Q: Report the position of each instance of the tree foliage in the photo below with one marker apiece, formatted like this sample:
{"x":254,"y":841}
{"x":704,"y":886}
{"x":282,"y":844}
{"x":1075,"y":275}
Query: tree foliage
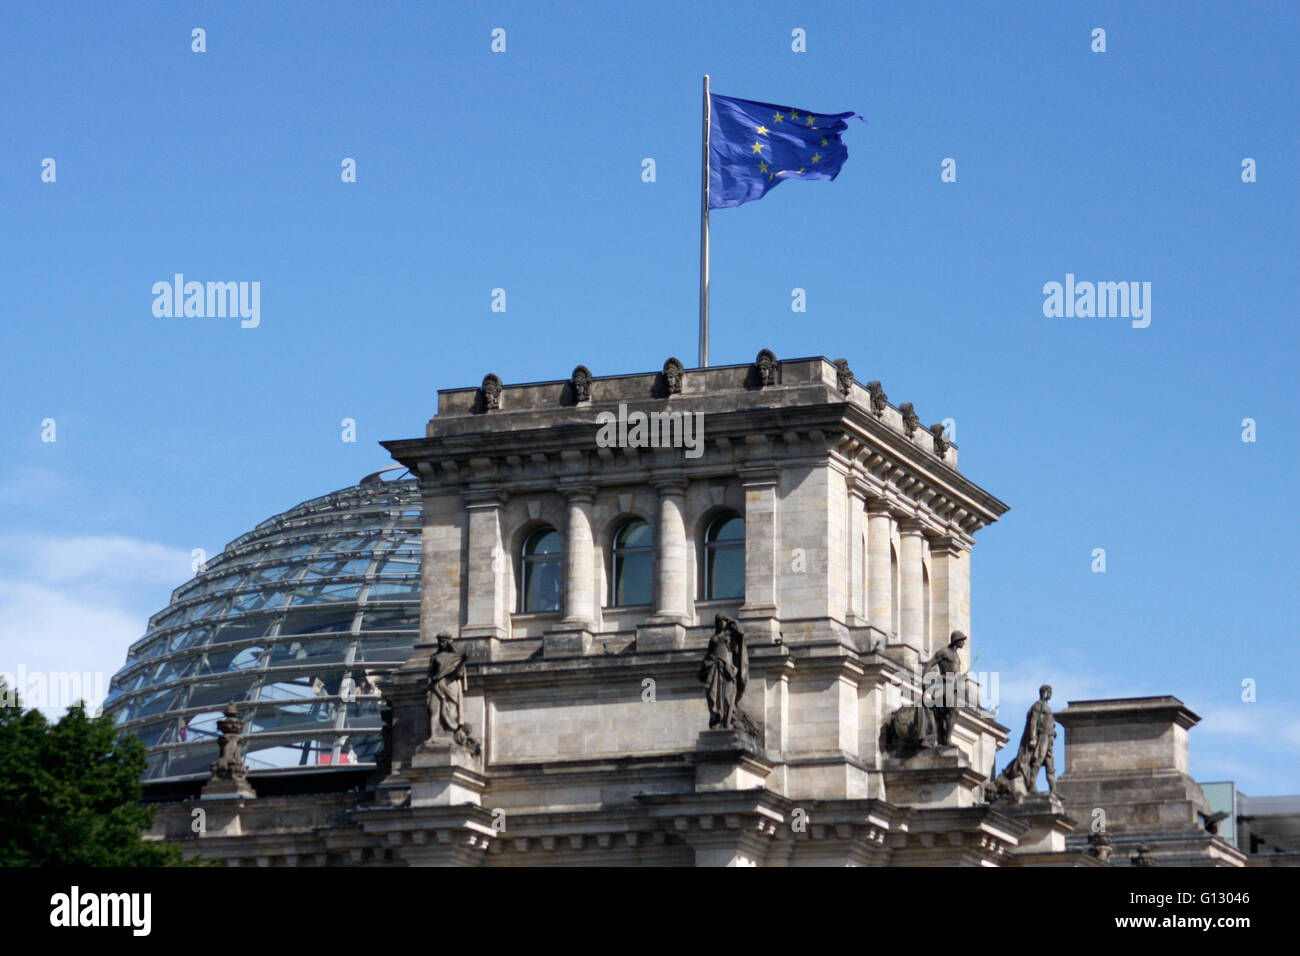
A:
{"x":70,"y":793}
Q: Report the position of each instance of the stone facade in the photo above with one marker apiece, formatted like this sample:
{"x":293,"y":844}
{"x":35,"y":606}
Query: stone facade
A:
{"x":1126,"y":771}
{"x":596,"y":747}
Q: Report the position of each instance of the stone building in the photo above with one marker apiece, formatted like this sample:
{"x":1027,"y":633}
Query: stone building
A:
{"x":580,"y":539}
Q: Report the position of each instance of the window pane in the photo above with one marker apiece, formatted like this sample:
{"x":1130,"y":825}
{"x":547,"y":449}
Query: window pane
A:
{"x":726,"y":573}
{"x":728,"y":529}
{"x":543,"y":542}
{"x":543,"y":585}
{"x":633,"y":578}
{"x":634,"y":534}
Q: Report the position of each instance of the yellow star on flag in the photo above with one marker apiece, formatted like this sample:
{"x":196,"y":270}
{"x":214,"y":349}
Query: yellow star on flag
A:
{"x":810,"y":121}
{"x":777,"y":117}
{"x":757,"y":147}
{"x":801,"y":169}
{"x":824,"y":143}
{"x":762,"y":167}
{"x":817,"y":157}
{"x":762,"y":130}
{"x":794,"y":114}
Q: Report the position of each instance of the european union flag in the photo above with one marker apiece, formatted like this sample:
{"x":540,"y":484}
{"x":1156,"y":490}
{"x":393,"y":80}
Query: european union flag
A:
{"x":754,"y":147}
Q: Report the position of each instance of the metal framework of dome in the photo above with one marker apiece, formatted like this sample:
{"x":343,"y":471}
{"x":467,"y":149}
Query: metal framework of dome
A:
{"x":296,"y":621}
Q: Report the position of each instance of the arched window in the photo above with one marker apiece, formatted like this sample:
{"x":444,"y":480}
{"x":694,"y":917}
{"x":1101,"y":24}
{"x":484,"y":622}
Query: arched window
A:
{"x":724,"y":558}
{"x":633,"y":564}
{"x":540,"y":567}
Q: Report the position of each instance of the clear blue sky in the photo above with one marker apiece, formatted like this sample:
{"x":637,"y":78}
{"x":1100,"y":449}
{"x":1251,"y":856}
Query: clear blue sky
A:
{"x":522,"y":171}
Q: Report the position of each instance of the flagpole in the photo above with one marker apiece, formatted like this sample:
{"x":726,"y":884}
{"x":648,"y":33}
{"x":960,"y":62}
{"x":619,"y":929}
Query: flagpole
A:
{"x":704,"y":235}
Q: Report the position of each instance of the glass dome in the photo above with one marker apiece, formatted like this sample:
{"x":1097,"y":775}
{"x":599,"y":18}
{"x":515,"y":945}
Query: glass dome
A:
{"x":296,"y":621}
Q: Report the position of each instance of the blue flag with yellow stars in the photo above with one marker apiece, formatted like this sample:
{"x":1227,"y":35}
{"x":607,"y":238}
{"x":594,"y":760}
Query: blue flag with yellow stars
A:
{"x":754,"y":147}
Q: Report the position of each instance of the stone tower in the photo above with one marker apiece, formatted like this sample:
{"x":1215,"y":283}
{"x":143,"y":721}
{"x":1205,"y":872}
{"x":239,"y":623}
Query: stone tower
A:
{"x":579,"y":539}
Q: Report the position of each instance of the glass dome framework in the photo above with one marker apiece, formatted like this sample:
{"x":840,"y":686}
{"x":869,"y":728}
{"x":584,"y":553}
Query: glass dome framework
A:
{"x":296,"y":621}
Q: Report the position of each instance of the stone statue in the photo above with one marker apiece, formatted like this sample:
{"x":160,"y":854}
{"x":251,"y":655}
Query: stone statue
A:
{"x":879,"y":400}
{"x":909,"y":729}
{"x":581,"y":382}
{"x":910,"y":419}
{"x":724,"y":672}
{"x":490,"y":392}
{"x":947,"y":664}
{"x":767,"y":367}
{"x":673,"y":377}
{"x":940,"y":440}
{"x":1142,"y":856}
{"x":447,"y":683}
{"x":843,"y":376}
{"x":1020,"y":776}
{"x":1037,"y":741}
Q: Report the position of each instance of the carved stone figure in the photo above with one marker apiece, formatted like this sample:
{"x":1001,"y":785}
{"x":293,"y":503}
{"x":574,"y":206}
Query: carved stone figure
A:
{"x":1099,"y":845}
{"x":230,"y":762}
{"x":673,"y":372}
{"x":1036,"y":743}
{"x":1142,"y":856}
{"x":724,"y":672}
{"x":843,"y":376}
{"x":447,"y":684}
{"x":945,"y":686}
{"x":490,"y":393}
{"x":940,"y":442}
{"x":910,"y":419}
{"x":581,"y":382}
{"x":767,"y":367}
{"x":1020,"y":776}
{"x":910,"y":728}
{"x":879,"y":400}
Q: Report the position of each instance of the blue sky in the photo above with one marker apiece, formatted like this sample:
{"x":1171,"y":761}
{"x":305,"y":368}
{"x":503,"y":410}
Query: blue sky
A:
{"x":522,"y":170}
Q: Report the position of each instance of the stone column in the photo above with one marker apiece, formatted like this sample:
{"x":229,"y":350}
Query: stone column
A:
{"x":671,"y":552}
{"x":487,"y":616}
{"x":880,"y":594}
{"x":761,"y":609}
{"x":911,"y":581}
{"x":572,"y":636}
{"x":950,"y":590}
{"x":666,"y":627}
{"x":856,"y":563}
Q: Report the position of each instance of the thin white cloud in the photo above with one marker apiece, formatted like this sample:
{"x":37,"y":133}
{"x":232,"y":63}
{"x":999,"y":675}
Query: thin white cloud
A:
{"x":72,"y":605}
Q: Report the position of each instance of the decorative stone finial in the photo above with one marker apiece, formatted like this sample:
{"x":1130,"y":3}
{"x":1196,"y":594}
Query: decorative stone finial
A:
{"x":767,"y":368}
{"x":673,"y":372}
{"x":878,"y":398}
{"x":911,"y":422}
{"x":489,"y":393}
{"x":843,"y":376}
{"x":581,"y":381}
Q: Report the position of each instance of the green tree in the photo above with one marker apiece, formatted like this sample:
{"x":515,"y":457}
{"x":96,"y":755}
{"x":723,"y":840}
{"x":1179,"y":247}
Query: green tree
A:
{"x":70,"y":793}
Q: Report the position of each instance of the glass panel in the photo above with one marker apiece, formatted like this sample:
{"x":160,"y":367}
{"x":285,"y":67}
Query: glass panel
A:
{"x":633,"y":577}
{"x":728,"y":529}
{"x":726,"y":573}
{"x":391,"y":590}
{"x":545,"y":541}
{"x":310,"y":650}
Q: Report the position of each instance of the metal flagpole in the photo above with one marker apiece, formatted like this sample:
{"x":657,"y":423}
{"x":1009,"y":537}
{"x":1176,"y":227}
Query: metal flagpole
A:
{"x":704,"y":235}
